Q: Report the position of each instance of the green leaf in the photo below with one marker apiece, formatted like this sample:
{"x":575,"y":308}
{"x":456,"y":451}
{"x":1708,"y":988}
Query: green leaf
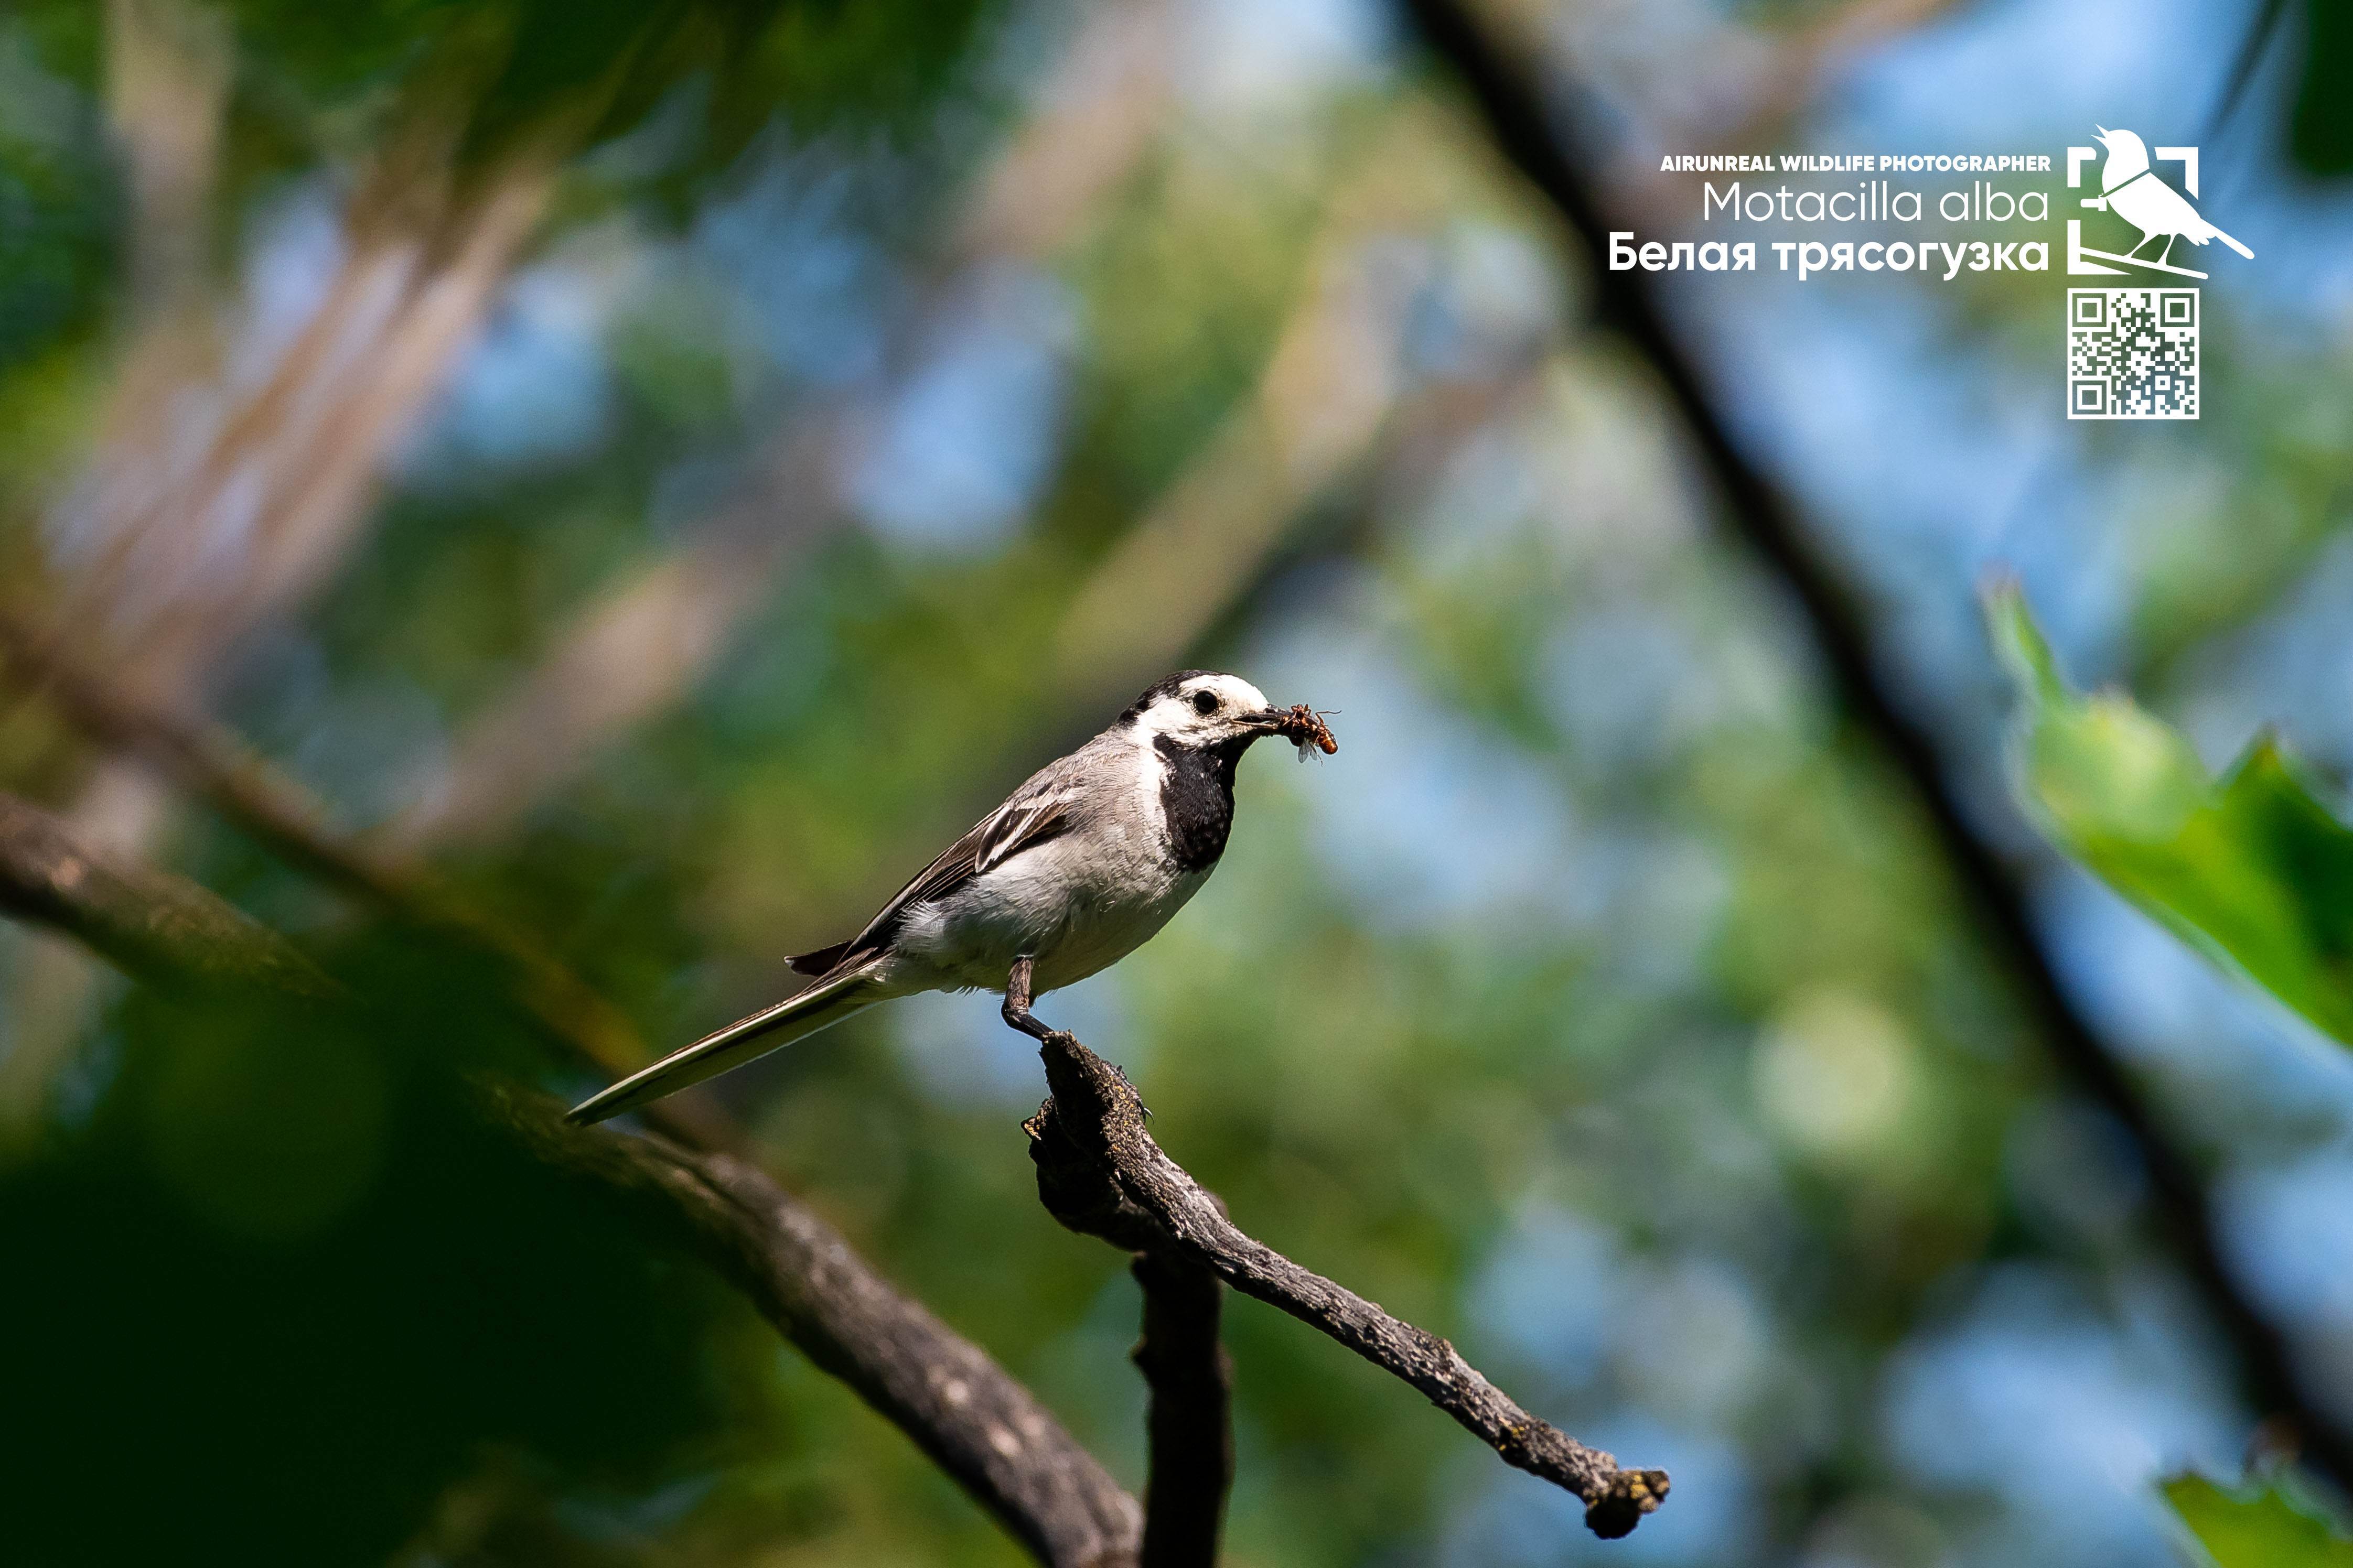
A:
{"x":2255,"y":1529}
{"x":2253,"y":871}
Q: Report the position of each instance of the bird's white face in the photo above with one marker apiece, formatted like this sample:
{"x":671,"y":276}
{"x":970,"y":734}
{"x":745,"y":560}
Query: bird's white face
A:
{"x":1202,"y":709}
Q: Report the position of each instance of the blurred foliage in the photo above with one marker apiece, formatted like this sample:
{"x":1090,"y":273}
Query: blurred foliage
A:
{"x":56,"y":190}
{"x":697,"y":79}
{"x":2255,"y":1527}
{"x":2252,"y":870}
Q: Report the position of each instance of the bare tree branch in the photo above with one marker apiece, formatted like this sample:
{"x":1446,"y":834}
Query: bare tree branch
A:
{"x":1191,"y":1426}
{"x":1101,"y":1173}
{"x":959,"y":1407}
{"x":1539,"y":147}
{"x":144,"y":922}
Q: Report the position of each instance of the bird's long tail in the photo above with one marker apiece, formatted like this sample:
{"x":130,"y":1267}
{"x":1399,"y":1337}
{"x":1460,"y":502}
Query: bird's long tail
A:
{"x":826,"y":1003}
{"x":2231,"y":243}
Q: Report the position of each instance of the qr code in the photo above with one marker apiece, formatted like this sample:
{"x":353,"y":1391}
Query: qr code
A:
{"x":2132,"y":354}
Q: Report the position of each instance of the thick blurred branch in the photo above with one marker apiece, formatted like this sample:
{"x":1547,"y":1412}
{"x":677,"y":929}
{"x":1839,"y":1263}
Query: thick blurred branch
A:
{"x":144,"y":920}
{"x":961,"y":1408}
{"x":1101,"y":1173}
{"x":1536,"y":144}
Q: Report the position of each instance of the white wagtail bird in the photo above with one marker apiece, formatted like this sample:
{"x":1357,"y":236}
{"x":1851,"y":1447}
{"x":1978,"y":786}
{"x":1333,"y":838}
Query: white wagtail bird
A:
{"x":1076,"y":870}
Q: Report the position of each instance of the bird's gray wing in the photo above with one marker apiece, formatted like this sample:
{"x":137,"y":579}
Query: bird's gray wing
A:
{"x":1043,"y":809}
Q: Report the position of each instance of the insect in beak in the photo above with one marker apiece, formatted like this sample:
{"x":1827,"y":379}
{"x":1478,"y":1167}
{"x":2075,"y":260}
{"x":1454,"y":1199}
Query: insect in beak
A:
{"x":1301,"y":725}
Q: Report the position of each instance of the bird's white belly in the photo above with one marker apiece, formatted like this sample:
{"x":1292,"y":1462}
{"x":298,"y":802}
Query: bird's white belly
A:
{"x":1076,"y":905}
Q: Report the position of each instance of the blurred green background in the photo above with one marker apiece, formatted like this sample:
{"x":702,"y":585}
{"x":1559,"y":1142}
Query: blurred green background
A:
{"x":671,"y":466}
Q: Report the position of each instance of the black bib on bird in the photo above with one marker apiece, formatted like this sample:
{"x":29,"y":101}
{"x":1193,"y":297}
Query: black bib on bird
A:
{"x":1198,"y":795}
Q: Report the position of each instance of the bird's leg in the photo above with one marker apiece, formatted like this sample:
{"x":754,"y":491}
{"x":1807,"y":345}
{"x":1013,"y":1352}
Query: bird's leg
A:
{"x":1017,"y":1013}
{"x":2135,"y":250}
{"x":2165,"y":256}
{"x":1017,"y":1005}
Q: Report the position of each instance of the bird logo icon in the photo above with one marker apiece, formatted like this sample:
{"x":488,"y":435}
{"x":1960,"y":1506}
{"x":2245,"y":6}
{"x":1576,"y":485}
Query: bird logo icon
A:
{"x":2131,"y":188}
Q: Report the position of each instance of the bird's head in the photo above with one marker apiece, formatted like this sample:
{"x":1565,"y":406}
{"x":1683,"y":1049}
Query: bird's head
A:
{"x":1201,"y":708}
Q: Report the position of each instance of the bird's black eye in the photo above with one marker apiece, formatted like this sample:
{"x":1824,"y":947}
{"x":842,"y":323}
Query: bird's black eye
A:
{"x":1205,"y":702}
